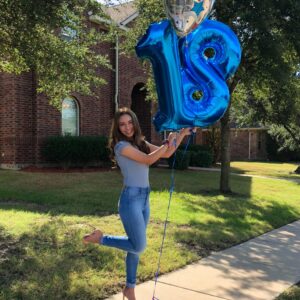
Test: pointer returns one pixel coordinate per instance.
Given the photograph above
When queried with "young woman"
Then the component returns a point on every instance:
(133, 155)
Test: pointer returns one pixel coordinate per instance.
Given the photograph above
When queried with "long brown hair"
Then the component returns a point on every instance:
(116, 135)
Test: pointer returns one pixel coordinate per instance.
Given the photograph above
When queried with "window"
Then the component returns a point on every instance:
(68, 34)
(70, 117)
(259, 140)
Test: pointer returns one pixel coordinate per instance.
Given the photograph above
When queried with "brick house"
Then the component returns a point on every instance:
(26, 118)
(245, 143)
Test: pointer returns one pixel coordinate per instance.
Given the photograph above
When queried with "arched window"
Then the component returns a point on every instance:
(68, 34)
(70, 117)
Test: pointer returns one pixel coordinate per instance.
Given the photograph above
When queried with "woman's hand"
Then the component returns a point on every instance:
(187, 131)
(172, 138)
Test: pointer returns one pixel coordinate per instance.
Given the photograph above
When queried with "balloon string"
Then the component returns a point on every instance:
(172, 186)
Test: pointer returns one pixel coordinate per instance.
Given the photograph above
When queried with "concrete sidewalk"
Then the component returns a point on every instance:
(259, 269)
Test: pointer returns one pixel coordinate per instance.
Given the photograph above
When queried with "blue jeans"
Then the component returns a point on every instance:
(134, 211)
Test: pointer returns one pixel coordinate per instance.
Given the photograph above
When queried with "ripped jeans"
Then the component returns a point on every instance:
(134, 211)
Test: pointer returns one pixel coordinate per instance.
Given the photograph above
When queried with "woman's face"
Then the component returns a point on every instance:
(126, 125)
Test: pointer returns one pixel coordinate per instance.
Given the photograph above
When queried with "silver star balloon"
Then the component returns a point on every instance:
(186, 15)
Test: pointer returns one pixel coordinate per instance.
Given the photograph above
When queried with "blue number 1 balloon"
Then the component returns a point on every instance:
(190, 72)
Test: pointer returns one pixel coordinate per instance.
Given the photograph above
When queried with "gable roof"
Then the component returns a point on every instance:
(121, 14)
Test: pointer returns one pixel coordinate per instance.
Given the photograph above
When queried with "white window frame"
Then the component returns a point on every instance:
(77, 116)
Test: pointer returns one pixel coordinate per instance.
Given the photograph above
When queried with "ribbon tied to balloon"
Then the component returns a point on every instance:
(192, 57)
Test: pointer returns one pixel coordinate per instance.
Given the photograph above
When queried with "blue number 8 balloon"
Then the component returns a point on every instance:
(190, 72)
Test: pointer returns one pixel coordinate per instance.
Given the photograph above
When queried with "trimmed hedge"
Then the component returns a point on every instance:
(195, 147)
(201, 159)
(182, 161)
(196, 156)
(201, 155)
(76, 150)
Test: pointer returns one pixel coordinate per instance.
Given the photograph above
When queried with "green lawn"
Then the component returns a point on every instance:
(283, 170)
(293, 293)
(43, 217)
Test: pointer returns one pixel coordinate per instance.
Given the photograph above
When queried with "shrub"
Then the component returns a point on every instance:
(201, 159)
(182, 160)
(195, 147)
(200, 155)
(76, 150)
(274, 154)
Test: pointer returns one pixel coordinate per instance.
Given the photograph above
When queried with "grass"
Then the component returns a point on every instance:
(293, 293)
(281, 170)
(43, 217)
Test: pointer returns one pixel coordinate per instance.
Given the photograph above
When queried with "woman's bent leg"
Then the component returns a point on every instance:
(131, 207)
(134, 214)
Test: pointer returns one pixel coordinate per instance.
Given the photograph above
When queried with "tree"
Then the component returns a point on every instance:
(269, 34)
(214, 141)
(268, 31)
(277, 108)
(273, 97)
(31, 38)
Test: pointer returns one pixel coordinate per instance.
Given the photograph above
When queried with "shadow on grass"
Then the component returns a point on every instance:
(52, 263)
(235, 219)
(237, 170)
(102, 200)
(98, 206)
(98, 194)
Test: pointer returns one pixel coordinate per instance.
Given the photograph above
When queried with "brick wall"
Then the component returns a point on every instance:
(239, 143)
(17, 119)
(26, 119)
(248, 144)
(7, 119)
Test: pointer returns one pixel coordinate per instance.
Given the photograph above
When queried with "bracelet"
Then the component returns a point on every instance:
(166, 142)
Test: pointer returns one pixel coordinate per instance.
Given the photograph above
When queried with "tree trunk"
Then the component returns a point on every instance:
(225, 141)
(225, 153)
